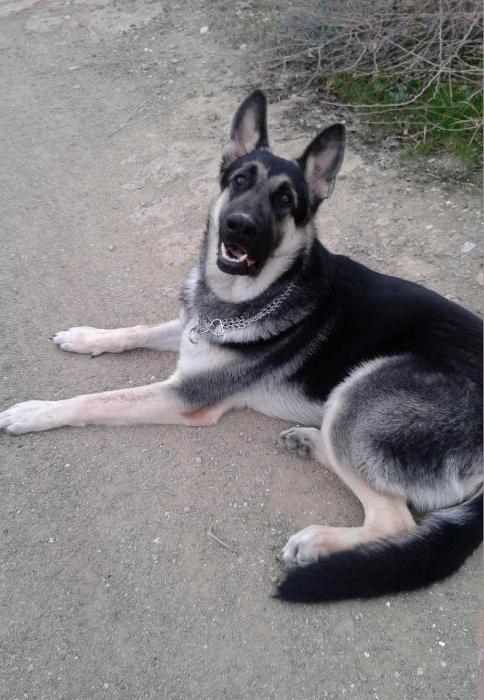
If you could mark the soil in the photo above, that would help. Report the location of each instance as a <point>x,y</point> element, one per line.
<point>112,115</point>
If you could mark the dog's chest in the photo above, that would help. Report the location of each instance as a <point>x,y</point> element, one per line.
<point>198,355</point>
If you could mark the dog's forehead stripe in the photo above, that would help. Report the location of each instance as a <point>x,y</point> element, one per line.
<point>274,166</point>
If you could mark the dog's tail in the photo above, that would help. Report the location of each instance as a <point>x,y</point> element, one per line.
<point>439,546</point>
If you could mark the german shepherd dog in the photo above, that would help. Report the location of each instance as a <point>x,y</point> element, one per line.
<point>385,374</point>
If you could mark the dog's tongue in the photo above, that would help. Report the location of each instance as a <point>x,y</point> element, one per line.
<point>237,252</point>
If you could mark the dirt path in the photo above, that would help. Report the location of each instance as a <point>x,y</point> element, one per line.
<point>111,118</point>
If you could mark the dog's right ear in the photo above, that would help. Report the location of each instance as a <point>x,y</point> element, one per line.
<point>248,130</point>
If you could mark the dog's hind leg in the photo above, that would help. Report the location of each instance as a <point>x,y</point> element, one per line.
<point>94,341</point>
<point>385,515</point>
<point>158,403</point>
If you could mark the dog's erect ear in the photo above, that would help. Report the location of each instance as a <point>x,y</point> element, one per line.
<point>248,130</point>
<point>321,162</point>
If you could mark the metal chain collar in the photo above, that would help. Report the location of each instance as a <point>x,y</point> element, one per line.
<point>218,326</point>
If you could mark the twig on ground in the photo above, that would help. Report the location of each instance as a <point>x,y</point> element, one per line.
<point>214,537</point>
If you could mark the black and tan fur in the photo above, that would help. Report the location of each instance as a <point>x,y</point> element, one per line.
<point>385,374</point>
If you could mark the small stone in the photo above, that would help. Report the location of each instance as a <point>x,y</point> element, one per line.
<point>420,671</point>
<point>203,30</point>
<point>51,540</point>
<point>467,247</point>
<point>187,509</point>
<point>388,603</point>
<point>243,47</point>
<point>111,247</point>
<point>198,460</point>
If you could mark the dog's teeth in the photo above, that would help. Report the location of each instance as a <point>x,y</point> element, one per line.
<point>224,252</point>
<point>232,258</point>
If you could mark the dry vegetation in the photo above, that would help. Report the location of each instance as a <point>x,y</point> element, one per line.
<point>409,68</point>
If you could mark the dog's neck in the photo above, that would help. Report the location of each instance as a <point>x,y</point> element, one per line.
<point>241,289</point>
<point>308,277</point>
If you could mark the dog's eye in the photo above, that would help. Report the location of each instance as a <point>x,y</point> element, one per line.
<point>284,199</point>
<point>239,180</point>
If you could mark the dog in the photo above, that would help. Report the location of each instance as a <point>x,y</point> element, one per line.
<point>385,375</point>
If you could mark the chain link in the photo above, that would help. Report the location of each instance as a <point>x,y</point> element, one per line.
<point>218,326</point>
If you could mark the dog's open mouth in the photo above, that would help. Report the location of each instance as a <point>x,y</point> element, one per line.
<point>234,258</point>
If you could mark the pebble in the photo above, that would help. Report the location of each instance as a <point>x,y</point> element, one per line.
<point>203,30</point>
<point>187,509</point>
<point>467,247</point>
<point>198,460</point>
<point>111,247</point>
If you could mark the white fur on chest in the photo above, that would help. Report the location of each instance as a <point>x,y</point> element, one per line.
<point>201,356</point>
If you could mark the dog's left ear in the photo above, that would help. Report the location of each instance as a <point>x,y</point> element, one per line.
<point>248,130</point>
<point>321,162</point>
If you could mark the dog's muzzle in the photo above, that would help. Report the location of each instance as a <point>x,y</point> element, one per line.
<point>238,239</point>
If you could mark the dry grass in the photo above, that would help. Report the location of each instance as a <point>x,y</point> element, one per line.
<point>412,68</point>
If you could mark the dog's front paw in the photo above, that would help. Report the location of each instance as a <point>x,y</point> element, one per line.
<point>30,417</point>
<point>299,440</point>
<point>85,340</point>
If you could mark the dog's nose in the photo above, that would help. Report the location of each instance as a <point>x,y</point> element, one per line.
<point>241,224</point>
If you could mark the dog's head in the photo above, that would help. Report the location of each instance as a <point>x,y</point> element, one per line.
<point>267,203</point>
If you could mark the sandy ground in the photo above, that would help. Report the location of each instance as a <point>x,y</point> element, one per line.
<point>111,118</point>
